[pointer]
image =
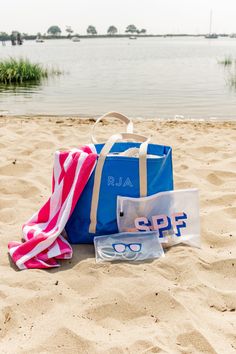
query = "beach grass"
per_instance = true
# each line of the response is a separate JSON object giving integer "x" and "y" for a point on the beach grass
{"x": 19, "y": 71}
{"x": 232, "y": 81}
{"x": 230, "y": 66}
{"x": 227, "y": 61}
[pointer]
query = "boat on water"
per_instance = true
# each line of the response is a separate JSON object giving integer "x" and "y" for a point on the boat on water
{"x": 211, "y": 35}
{"x": 75, "y": 39}
{"x": 39, "y": 40}
{"x": 132, "y": 37}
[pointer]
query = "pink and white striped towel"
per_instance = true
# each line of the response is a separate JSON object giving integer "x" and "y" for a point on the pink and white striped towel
{"x": 44, "y": 243}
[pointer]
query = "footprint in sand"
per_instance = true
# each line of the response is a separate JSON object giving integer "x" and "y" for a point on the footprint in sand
{"x": 67, "y": 341}
{"x": 15, "y": 169}
{"x": 44, "y": 145}
{"x": 24, "y": 188}
{"x": 7, "y": 203}
{"x": 8, "y": 215}
{"x": 231, "y": 211}
{"x": 107, "y": 312}
{"x": 214, "y": 274}
{"x": 142, "y": 346}
{"x": 219, "y": 177}
{"x": 207, "y": 149}
{"x": 214, "y": 179}
{"x": 194, "y": 342}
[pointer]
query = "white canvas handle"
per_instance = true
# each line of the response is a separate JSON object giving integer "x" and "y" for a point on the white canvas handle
{"x": 121, "y": 117}
{"x": 98, "y": 171}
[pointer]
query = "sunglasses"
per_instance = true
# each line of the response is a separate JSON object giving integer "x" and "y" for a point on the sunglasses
{"x": 121, "y": 247}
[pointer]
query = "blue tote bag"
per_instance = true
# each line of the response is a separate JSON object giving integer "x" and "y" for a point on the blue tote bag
{"x": 147, "y": 173}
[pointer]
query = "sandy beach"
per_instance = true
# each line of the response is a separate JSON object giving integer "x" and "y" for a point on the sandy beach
{"x": 183, "y": 303}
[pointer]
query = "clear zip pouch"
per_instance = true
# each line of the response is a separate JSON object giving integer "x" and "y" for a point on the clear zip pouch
{"x": 173, "y": 214}
{"x": 128, "y": 246}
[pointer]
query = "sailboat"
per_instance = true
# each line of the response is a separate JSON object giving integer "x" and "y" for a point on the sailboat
{"x": 75, "y": 39}
{"x": 211, "y": 35}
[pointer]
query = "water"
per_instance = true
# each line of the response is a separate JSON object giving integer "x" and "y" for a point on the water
{"x": 147, "y": 77}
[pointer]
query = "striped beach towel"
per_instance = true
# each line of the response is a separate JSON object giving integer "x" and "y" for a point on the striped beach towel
{"x": 42, "y": 234}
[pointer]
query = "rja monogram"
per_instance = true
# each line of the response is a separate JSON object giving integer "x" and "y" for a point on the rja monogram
{"x": 119, "y": 182}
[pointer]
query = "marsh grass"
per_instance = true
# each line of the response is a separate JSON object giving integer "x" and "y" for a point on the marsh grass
{"x": 232, "y": 75}
{"x": 227, "y": 61}
{"x": 229, "y": 65}
{"x": 19, "y": 71}
{"x": 232, "y": 78}
{"x": 232, "y": 82}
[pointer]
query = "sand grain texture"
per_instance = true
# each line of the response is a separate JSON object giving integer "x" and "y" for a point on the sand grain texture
{"x": 184, "y": 303}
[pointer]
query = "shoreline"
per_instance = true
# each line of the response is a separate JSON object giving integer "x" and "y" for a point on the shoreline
{"x": 92, "y": 118}
{"x": 97, "y": 36}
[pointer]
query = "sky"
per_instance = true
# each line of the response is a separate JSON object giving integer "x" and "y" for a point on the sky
{"x": 157, "y": 16}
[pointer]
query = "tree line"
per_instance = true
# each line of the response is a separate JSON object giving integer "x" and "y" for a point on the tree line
{"x": 91, "y": 30}
{"x": 56, "y": 31}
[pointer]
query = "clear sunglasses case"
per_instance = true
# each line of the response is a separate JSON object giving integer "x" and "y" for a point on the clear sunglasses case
{"x": 128, "y": 246}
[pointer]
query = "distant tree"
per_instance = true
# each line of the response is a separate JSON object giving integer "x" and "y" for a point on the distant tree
{"x": 14, "y": 33}
{"x": 112, "y": 30}
{"x": 131, "y": 29}
{"x": 19, "y": 38}
{"x": 143, "y": 31}
{"x": 13, "y": 37}
{"x": 4, "y": 36}
{"x": 69, "y": 30}
{"x": 91, "y": 30}
{"x": 54, "y": 30}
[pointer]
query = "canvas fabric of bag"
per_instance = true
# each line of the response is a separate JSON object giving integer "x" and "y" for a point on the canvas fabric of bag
{"x": 114, "y": 174}
{"x": 173, "y": 214}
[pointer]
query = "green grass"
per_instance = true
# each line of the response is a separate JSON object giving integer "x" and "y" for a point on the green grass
{"x": 230, "y": 69}
{"x": 19, "y": 71}
{"x": 232, "y": 81}
{"x": 227, "y": 61}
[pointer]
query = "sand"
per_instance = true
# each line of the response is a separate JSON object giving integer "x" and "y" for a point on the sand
{"x": 183, "y": 303}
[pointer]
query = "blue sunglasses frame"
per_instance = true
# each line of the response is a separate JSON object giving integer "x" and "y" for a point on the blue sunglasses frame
{"x": 127, "y": 245}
